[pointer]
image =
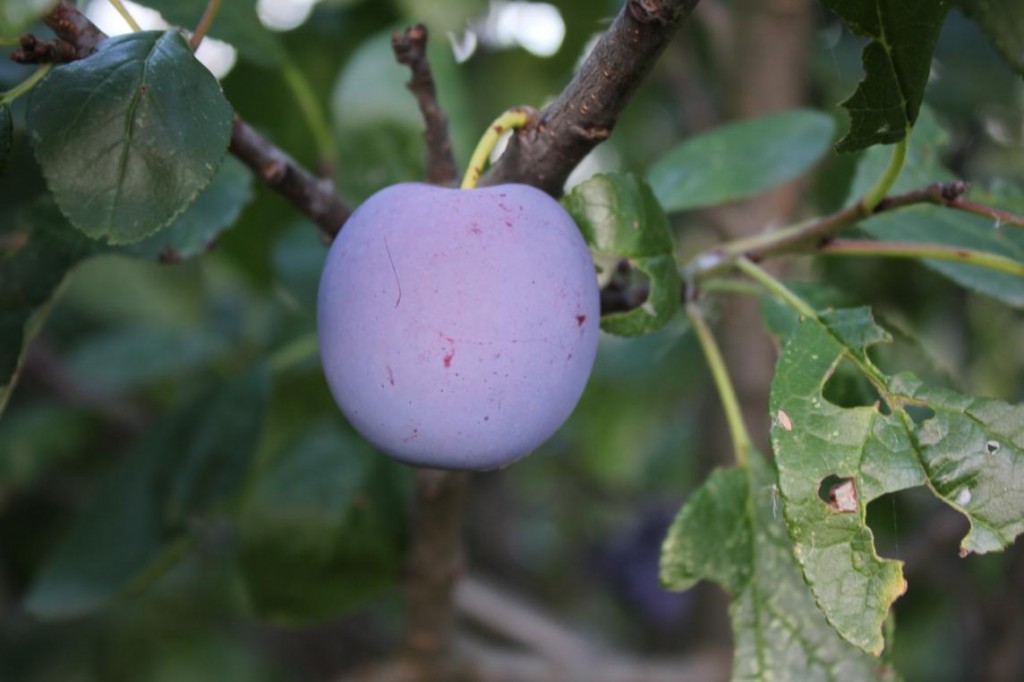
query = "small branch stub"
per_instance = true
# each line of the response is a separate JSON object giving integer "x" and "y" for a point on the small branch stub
{"x": 410, "y": 49}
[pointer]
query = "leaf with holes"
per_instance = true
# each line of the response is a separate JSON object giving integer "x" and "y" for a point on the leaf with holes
{"x": 897, "y": 62}
{"x": 129, "y": 136}
{"x": 620, "y": 218}
{"x": 729, "y": 162}
{"x": 729, "y": 531}
{"x": 834, "y": 461}
{"x": 972, "y": 450}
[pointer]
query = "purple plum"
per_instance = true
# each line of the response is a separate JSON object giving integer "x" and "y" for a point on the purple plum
{"x": 458, "y": 328}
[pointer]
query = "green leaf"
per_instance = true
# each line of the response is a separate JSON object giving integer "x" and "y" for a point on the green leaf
{"x": 897, "y": 62}
{"x": 937, "y": 225}
{"x": 740, "y": 159}
{"x": 319, "y": 532}
{"x": 620, "y": 217}
{"x": 189, "y": 466}
{"x": 729, "y": 531}
{"x": 236, "y": 23}
{"x": 298, "y": 256}
{"x": 834, "y": 461}
{"x": 814, "y": 440}
{"x": 1003, "y": 21}
{"x": 36, "y": 254}
{"x": 973, "y": 453}
{"x": 6, "y": 134}
{"x": 215, "y": 210}
{"x": 923, "y": 164}
{"x": 16, "y": 16}
{"x": 129, "y": 136}
{"x": 125, "y": 359}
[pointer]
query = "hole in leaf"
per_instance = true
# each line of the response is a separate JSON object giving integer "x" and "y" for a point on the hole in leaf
{"x": 847, "y": 387}
{"x": 919, "y": 413}
{"x": 913, "y": 526}
{"x": 840, "y": 494}
{"x": 627, "y": 289}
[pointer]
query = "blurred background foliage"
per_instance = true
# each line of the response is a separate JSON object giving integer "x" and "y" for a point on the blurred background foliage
{"x": 258, "y": 538}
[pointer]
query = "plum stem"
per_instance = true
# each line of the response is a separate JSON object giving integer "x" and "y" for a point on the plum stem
{"x": 517, "y": 117}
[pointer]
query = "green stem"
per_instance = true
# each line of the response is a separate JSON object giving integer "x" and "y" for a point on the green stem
{"x": 311, "y": 111}
{"x": 203, "y": 27}
{"x": 25, "y": 85}
{"x": 125, "y": 14}
{"x": 896, "y": 249}
{"x": 801, "y": 306}
{"x": 511, "y": 119}
{"x": 741, "y": 442}
{"x": 776, "y": 288}
{"x": 293, "y": 353}
{"x": 874, "y": 195}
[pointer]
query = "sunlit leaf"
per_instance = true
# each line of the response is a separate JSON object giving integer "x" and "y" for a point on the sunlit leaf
{"x": 740, "y": 159}
{"x": 129, "y": 136}
{"x": 730, "y": 531}
{"x": 897, "y": 62}
{"x": 833, "y": 461}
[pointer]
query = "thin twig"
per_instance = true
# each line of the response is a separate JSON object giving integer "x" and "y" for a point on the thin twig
{"x": 205, "y": 22}
{"x": 544, "y": 153}
{"x": 811, "y": 235}
{"x": 314, "y": 196}
{"x": 410, "y": 49}
{"x": 943, "y": 252}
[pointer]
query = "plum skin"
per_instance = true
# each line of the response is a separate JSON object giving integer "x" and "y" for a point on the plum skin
{"x": 458, "y": 328}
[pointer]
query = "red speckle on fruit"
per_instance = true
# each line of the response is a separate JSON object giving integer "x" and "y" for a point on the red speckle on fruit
{"x": 580, "y": 319}
{"x": 476, "y": 230}
{"x": 391, "y": 376}
{"x": 449, "y": 354}
{"x": 413, "y": 434}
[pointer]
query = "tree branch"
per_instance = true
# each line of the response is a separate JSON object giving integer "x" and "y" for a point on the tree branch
{"x": 411, "y": 49}
{"x": 314, "y": 197}
{"x": 544, "y": 153}
{"x": 435, "y": 564}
